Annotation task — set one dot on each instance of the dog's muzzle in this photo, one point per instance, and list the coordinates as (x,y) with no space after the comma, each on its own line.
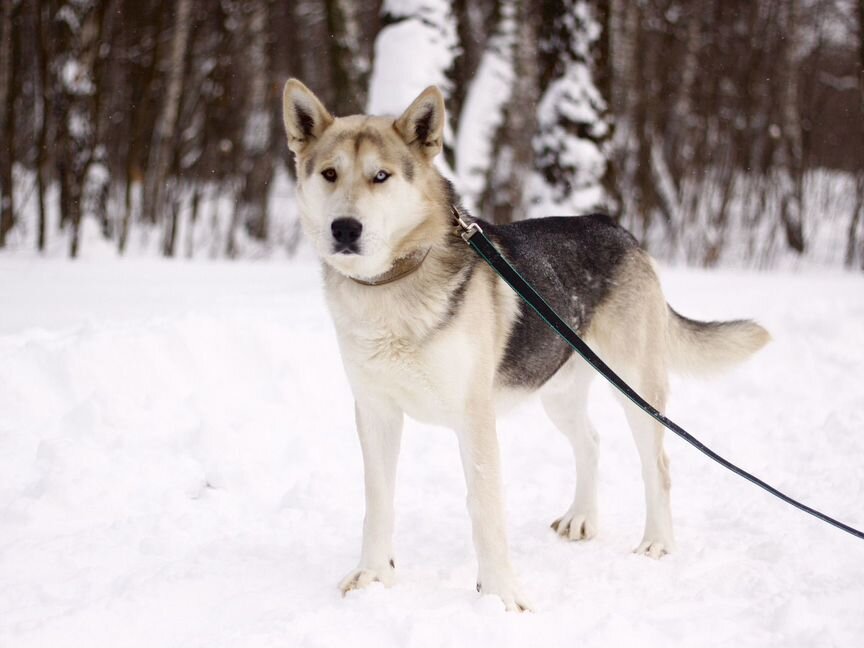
(346,232)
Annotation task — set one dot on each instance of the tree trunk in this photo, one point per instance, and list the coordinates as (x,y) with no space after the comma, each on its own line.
(856,215)
(348,66)
(8,85)
(193,220)
(134,150)
(569,146)
(852,233)
(257,161)
(792,162)
(162,147)
(504,198)
(41,85)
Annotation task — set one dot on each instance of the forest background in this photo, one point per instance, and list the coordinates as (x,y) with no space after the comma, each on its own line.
(719,131)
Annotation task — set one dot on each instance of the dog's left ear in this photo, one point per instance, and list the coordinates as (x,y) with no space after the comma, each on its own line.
(304,115)
(422,125)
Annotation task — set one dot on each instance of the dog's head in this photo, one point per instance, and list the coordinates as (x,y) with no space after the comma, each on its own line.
(367,188)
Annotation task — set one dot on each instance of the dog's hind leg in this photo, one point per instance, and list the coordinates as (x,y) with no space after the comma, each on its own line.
(650,382)
(565,398)
(380,428)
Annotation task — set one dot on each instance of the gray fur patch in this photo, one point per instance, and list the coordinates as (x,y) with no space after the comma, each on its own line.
(408,169)
(572,262)
(310,166)
(457,296)
(367,136)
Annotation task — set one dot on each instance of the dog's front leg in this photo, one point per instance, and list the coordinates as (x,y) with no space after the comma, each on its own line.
(379,425)
(478,445)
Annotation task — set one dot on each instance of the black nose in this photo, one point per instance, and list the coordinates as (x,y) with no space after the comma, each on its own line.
(346,231)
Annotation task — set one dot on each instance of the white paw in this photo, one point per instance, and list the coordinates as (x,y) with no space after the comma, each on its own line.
(507,590)
(576,526)
(654,548)
(361,577)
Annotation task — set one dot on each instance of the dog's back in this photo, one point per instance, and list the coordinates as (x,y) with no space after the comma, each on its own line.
(573,263)
(594,274)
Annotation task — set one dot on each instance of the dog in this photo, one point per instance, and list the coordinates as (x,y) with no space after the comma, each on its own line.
(426,329)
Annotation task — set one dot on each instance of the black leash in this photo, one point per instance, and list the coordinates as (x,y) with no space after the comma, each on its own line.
(474,236)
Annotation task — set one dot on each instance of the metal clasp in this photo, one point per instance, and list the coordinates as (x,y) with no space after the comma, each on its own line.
(468,229)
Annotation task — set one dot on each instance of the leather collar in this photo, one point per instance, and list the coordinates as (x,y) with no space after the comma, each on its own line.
(402,267)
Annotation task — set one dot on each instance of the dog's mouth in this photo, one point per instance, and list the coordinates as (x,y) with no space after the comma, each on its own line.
(346,248)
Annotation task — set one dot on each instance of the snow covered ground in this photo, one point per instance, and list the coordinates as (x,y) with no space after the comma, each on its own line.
(178,467)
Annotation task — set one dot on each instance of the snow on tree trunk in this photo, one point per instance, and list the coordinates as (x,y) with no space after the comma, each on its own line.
(503,197)
(414,49)
(573,126)
(77,32)
(483,114)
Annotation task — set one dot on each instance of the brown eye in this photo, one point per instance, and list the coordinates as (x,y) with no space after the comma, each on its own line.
(329,175)
(381,176)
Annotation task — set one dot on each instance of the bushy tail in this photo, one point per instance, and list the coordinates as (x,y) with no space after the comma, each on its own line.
(705,347)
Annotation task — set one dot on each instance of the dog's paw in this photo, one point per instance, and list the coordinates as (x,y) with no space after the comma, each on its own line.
(654,548)
(575,526)
(507,591)
(361,577)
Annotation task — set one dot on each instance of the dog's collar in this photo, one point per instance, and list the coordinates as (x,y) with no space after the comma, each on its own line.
(402,267)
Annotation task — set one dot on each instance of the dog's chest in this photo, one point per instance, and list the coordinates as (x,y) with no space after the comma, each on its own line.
(406,358)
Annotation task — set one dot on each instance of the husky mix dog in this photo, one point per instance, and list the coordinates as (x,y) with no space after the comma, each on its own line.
(427,329)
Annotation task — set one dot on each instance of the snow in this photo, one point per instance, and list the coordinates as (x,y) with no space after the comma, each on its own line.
(178,467)
(570,101)
(425,28)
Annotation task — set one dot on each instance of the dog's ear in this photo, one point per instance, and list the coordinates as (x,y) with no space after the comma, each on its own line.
(304,115)
(422,125)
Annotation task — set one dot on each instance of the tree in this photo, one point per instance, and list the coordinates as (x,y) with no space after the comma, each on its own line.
(852,244)
(163,145)
(78,31)
(256,171)
(41,85)
(487,93)
(572,118)
(8,84)
(503,198)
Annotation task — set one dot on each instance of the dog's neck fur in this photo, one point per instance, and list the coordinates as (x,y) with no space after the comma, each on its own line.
(420,300)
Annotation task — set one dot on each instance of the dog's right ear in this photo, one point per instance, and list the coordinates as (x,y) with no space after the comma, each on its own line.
(304,115)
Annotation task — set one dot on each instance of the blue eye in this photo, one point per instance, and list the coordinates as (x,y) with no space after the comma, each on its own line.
(381,176)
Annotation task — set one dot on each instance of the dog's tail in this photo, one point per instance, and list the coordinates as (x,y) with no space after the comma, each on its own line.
(705,347)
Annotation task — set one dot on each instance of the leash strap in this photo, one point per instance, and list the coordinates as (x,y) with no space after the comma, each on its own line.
(474,237)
